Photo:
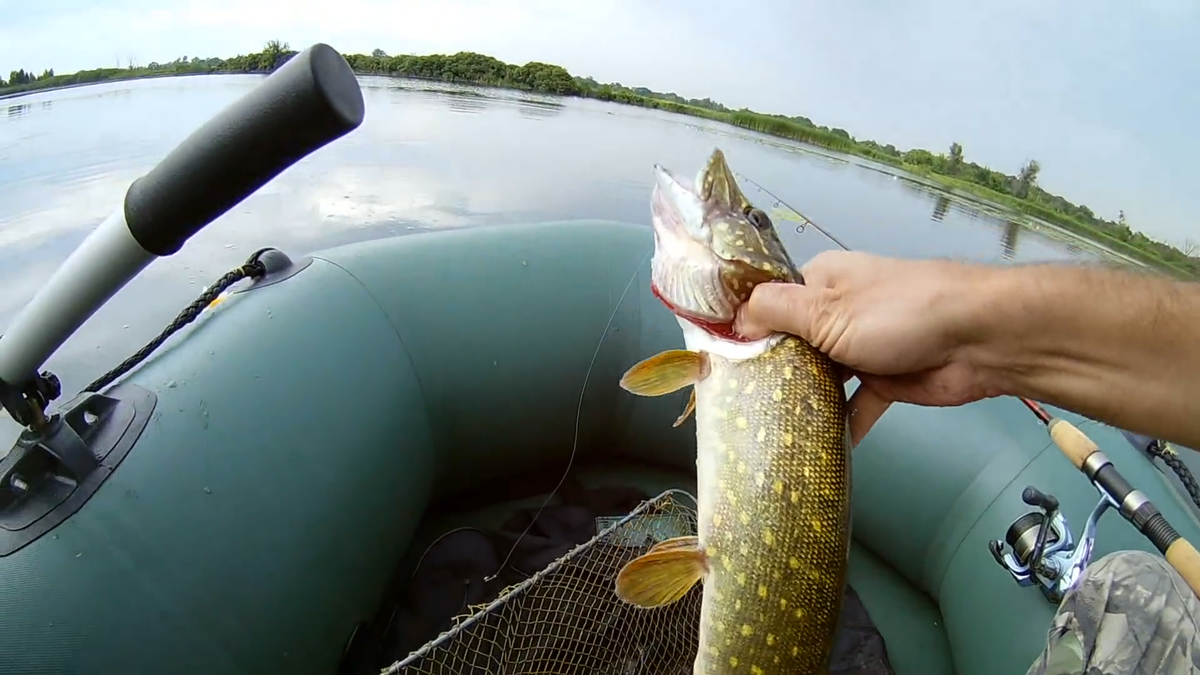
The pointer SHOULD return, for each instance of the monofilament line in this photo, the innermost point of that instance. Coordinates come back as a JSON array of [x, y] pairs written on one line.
[[578, 416], [808, 220]]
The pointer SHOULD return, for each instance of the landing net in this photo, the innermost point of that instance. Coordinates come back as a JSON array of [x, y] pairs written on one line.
[[567, 619]]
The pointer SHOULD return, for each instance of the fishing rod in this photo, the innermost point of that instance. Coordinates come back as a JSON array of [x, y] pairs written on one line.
[[1043, 550], [807, 221]]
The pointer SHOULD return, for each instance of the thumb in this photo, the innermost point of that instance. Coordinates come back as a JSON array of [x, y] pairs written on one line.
[[776, 307]]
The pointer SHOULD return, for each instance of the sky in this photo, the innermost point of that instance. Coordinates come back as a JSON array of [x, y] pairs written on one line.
[[1102, 93]]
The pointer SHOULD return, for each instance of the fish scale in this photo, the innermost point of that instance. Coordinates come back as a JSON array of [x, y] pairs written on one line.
[[773, 478]]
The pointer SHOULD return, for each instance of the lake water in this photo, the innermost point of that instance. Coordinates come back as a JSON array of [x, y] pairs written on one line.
[[428, 155]]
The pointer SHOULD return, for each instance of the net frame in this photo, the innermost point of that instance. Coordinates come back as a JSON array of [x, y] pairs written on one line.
[[586, 629]]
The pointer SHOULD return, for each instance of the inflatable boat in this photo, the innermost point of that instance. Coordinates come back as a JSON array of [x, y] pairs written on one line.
[[257, 491]]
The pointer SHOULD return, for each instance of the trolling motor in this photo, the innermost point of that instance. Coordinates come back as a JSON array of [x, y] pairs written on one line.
[[62, 458], [1042, 550]]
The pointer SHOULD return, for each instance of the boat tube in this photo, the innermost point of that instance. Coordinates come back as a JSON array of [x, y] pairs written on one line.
[[241, 496]]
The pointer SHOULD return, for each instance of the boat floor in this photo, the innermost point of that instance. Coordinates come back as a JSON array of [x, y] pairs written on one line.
[[908, 618]]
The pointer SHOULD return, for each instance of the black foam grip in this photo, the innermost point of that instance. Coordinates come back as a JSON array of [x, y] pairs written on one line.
[[311, 100], [1113, 483]]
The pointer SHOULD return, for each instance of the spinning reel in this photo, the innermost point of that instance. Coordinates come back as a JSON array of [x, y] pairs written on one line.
[[1044, 553], [1042, 550]]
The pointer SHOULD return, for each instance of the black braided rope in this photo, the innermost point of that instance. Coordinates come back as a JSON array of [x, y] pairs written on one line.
[[1170, 458], [252, 268]]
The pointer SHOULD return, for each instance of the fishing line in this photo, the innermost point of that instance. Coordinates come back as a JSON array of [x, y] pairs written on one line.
[[578, 417], [780, 202], [1180, 469], [596, 354], [1033, 406]]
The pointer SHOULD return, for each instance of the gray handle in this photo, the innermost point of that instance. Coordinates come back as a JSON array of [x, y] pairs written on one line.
[[312, 100]]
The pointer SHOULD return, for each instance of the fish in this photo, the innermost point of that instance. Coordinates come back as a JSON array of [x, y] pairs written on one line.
[[773, 442]]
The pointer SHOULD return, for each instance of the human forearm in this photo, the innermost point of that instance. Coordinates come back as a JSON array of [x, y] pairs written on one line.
[[1119, 347]]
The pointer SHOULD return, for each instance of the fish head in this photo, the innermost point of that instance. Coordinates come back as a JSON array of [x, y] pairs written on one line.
[[711, 247]]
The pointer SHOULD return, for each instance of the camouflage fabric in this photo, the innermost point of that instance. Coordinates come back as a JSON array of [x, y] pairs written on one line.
[[1131, 613]]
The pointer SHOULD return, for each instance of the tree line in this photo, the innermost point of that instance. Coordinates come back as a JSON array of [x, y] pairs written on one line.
[[1019, 191]]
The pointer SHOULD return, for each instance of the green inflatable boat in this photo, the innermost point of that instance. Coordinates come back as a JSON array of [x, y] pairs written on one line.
[[270, 491]]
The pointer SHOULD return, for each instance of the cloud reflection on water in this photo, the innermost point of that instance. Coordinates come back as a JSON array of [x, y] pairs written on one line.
[[428, 155]]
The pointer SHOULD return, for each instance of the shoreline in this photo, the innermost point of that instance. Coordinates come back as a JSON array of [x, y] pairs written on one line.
[[775, 126], [126, 78]]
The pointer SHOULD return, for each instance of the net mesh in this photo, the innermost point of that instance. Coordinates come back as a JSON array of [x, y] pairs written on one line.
[[567, 619]]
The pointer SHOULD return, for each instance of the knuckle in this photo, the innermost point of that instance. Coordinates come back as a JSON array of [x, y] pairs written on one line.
[[821, 310]]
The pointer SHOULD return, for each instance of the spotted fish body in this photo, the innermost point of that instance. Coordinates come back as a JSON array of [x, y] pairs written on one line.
[[774, 523], [773, 472]]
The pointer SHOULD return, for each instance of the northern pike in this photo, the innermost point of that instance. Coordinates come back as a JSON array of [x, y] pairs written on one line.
[[773, 472]]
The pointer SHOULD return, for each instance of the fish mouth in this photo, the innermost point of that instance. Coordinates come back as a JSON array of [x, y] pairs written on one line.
[[685, 208], [717, 186], [676, 208], [712, 247], [686, 272]]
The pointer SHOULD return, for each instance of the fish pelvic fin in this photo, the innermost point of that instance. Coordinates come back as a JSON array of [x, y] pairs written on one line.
[[666, 372], [664, 574], [688, 410]]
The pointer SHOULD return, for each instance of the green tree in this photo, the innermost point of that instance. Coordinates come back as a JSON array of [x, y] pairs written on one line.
[[1027, 179], [919, 157], [955, 159], [273, 54], [1020, 192]]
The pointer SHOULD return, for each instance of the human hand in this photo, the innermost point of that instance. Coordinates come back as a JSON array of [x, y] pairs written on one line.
[[900, 326]]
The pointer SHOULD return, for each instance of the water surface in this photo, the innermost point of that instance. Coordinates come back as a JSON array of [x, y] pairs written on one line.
[[428, 155]]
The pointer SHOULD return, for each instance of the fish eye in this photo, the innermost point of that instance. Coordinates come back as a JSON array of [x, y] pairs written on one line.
[[758, 218]]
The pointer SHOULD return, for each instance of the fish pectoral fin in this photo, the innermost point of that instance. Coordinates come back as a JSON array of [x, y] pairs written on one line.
[[688, 410], [664, 574], [666, 372], [686, 543]]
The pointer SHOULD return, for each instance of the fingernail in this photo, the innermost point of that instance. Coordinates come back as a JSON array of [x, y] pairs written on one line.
[[746, 328], [738, 322]]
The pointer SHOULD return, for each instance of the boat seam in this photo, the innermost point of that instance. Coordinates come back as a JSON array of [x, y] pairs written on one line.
[[395, 329], [958, 545]]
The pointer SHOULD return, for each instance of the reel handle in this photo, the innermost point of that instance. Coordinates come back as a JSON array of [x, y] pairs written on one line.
[[1035, 497]]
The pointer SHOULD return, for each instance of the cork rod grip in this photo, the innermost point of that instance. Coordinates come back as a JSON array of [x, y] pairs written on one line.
[[1072, 442], [1184, 558]]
